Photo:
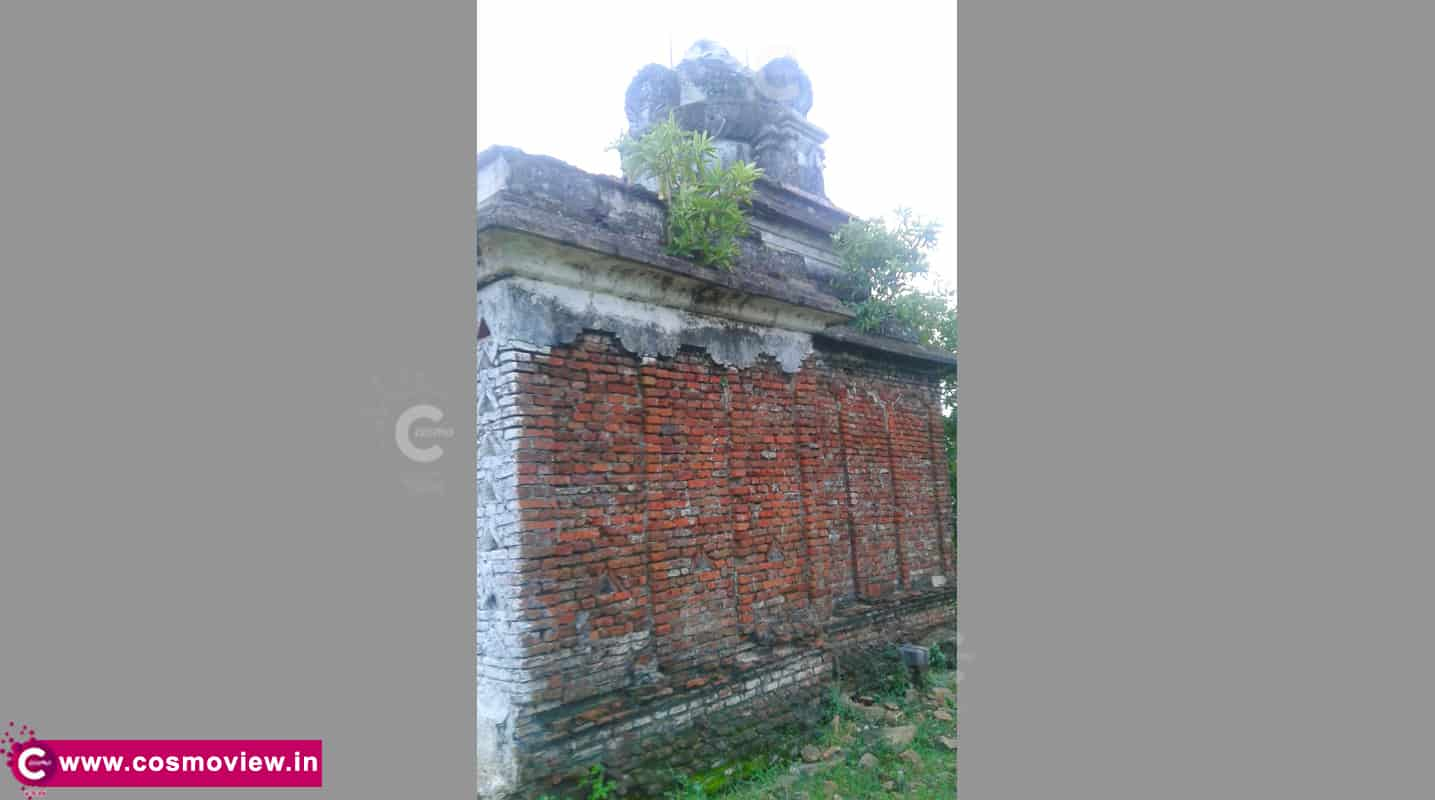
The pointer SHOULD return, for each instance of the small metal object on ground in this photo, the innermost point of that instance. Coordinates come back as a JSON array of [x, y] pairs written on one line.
[[916, 659], [914, 656]]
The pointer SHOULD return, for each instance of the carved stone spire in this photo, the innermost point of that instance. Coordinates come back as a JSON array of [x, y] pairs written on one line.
[[759, 117]]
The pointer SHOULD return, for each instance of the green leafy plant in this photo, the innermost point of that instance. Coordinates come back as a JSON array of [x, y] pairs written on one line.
[[936, 658], [705, 201], [599, 788], [687, 788], [879, 266]]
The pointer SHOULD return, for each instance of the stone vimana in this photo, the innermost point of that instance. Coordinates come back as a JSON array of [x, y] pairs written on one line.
[[697, 487]]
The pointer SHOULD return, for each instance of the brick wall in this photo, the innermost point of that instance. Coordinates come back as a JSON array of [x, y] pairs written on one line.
[[688, 538]]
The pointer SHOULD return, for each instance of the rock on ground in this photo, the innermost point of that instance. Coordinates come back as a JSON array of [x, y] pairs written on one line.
[[901, 735]]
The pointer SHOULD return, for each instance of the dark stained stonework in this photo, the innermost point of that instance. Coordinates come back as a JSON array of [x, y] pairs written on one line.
[[785, 82], [545, 197], [652, 94]]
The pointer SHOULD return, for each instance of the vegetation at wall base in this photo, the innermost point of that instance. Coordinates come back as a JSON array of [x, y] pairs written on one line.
[[855, 759], [849, 755], [705, 201]]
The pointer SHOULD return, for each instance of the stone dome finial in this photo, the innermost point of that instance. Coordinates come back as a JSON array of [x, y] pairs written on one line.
[[784, 81], [759, 117], [654, 92], [708, 49]]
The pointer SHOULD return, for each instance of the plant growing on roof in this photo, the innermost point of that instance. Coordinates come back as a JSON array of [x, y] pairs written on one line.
[[705, 201]]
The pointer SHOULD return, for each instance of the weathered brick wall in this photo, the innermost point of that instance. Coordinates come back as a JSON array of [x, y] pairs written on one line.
[[770, 557], [687, 537], [690, 519], [879, 470]]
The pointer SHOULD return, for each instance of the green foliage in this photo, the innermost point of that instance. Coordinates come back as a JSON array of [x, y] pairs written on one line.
[[936, 658], [705, 201], [881, 264], [876, 671], [688, 788], [599, 788], [931, 775], [725, 774], [832, 704]]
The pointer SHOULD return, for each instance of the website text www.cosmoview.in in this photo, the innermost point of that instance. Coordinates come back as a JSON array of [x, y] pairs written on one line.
[[159, 763]]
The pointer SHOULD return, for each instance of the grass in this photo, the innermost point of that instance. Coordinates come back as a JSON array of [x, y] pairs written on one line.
[[926, 769]]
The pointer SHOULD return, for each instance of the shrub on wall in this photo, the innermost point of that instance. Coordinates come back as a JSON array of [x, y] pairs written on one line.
[[705, 201]]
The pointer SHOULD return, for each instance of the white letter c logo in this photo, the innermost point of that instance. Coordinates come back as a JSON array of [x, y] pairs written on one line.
[[423, 455], [22, 763]]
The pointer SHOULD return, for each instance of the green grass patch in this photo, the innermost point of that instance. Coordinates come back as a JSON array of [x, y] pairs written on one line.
[[926, 769]]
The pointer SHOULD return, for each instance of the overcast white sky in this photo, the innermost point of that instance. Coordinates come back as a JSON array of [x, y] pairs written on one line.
[[552, 73]]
